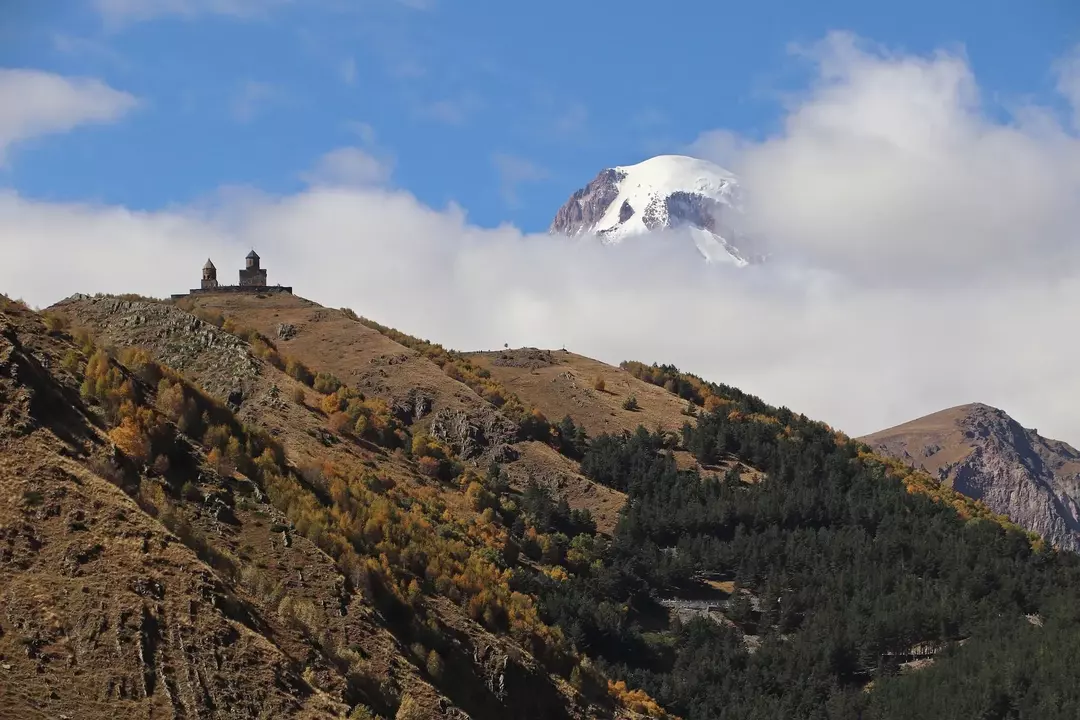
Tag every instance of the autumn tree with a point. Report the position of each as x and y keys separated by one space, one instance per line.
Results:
x=131 y=440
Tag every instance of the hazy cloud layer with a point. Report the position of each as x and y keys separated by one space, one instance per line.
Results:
x=35 y=103
x=926 y=257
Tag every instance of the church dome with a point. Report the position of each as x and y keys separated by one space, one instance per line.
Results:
x=252 y=255
x=209 y=265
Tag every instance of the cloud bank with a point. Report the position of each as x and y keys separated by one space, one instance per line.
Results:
x=926 y=257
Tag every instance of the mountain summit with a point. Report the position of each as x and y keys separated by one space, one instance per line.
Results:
x=985 y=454
x=665 y=192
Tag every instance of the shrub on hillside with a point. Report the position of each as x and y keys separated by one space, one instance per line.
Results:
x=55 y=323
x=298 y=371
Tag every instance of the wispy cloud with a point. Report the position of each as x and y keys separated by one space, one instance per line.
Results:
x=87 y=48
x=514 y=171
x=363 y=130
x=251 y=98
x=120 y=13
x=555 y=117
x=451 y=110
x=572 y=120
x=350 y=167
x=1068 y=76
x=348 y=71
x=649 y=117
x=35 y=103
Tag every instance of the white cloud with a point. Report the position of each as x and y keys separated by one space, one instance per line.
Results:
x=514 y=171
x=891 y=169
x=350 y=167
x=908 y=215
x=35 y=103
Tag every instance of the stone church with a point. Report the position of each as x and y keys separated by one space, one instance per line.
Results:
x=252 y=279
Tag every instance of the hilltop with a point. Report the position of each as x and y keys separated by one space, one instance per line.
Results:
x=985 y=454
x=238 y=503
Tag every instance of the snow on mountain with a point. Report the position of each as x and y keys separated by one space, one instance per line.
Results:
x=665 y=192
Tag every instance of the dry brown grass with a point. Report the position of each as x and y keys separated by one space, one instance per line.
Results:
x=277 y=567
x=564 y=384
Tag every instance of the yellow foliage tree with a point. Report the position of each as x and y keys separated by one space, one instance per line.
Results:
x=131 y=440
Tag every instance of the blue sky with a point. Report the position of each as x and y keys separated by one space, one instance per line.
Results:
x=503 y=108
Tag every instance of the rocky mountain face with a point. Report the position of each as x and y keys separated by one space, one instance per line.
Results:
x=587 y=205
x=985 y=454
x=667 y=192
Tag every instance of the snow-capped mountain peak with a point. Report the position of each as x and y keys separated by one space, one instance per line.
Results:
x=663 y=192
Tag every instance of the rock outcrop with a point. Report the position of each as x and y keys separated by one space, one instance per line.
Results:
x=223 y=362
x=985 y=454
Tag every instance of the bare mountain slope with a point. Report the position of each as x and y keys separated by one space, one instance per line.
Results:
x=104 y=612
x=985 y=454
x=330 y=340
x=477 y=668
x=561 y=383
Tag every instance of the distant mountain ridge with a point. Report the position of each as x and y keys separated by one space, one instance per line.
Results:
x=666 y=192
x=985 y=454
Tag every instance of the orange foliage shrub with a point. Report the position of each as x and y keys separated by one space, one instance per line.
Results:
x=340 y=423
x=635 y=700
x=429 y=466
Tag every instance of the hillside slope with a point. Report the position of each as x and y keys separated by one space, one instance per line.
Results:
x=985 y=454
x=561 y=383
x=105 y=611
x=397 y=538
x=739 y=560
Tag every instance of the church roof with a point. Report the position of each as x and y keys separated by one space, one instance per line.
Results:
x=209 y=265
x=252 y=255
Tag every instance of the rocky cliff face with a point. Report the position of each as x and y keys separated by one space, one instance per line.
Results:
x=587 y=206
x=985 y=454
